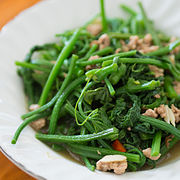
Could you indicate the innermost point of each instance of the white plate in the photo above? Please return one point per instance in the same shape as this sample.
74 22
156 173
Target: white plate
38 25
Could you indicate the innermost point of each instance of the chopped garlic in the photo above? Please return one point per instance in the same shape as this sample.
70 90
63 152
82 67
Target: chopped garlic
170 118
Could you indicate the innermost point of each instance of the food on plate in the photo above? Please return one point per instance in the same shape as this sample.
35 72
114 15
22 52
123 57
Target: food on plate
107 92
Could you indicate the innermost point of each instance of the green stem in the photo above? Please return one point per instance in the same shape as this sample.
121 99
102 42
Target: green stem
110 87
63 86
89 53
79 99
57 147
169 88
165 50
116 76
70 109
98 153
43 62
143 61
119 35
32 66
87 163
111 133
102 59
83 130
161 125
89 85
25 123
148 25
103 16
60 101
100 74
133 88
103 52
156 144
128 10
62 56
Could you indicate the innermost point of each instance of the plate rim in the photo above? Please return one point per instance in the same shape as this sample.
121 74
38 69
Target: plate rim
21 166
4 29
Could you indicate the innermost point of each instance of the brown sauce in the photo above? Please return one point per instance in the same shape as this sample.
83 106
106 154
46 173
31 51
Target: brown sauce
172 156
70 157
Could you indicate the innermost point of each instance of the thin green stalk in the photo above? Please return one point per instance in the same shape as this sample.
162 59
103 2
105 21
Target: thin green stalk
57 147
79 99
103 16
161 125
59 103
169 88
70 109
71 32
89 85
165 50
102 59
104 72
128 10
119 35
83 130
138 61
148 25
42 108
43 62
88 164
134 26
110 87
111 133
131 87
144 61
25 123
81 109
103 52
32 66
115 77
91 51
174 71
156 144
98 153
63 86
62 56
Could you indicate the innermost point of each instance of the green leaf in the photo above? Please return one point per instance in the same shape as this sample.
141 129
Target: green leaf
100 94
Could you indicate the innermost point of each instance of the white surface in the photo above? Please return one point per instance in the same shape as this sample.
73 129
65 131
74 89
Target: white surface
38 25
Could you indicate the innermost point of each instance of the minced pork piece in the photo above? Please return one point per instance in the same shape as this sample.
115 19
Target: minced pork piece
118 163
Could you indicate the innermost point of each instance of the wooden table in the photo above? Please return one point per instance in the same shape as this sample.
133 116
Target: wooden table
8 10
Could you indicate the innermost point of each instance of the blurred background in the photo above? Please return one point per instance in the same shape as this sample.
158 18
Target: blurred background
8 10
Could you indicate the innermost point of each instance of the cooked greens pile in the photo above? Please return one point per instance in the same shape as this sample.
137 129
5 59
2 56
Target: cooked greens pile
106 88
